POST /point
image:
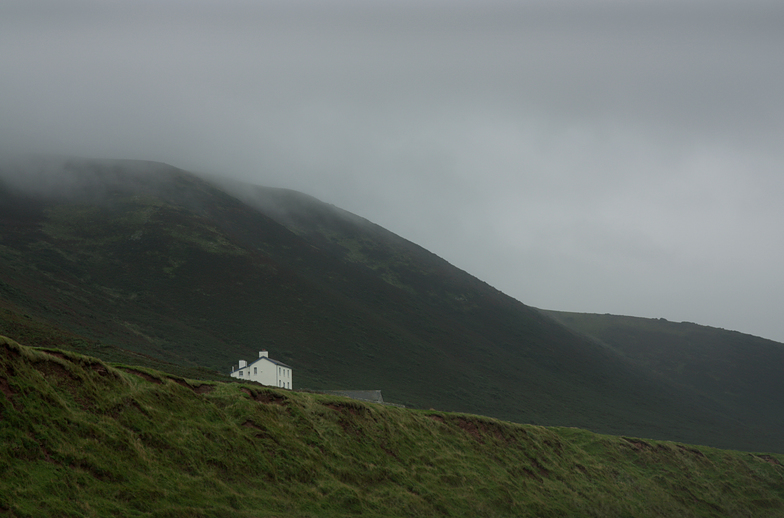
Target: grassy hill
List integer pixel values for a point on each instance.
(741, 371)
(144, 263)
(80, 437)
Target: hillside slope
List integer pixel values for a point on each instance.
(160, 262)
(744, 372)
(83, 438)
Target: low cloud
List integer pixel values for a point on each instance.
(606, 157)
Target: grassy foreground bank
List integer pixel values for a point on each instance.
(79, 437)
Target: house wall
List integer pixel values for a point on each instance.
(267, 373)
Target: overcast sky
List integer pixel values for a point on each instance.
(597, 156)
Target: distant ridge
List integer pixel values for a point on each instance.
(741, 371)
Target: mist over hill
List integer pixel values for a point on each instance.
(191, 272)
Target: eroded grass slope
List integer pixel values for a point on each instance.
(80, 437)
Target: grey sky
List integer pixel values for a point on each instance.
(597, 156)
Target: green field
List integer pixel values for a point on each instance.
(80, 437)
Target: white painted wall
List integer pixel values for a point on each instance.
(265, 371)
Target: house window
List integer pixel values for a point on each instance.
(255, 371)
(240, 373)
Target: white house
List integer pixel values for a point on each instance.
(265, 370)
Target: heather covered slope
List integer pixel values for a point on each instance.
(159, 262)
(80, 437)
(741, 371)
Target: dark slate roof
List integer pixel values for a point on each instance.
(276, 362)
(373, 396)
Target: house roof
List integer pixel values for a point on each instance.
(363, 395)
(276, 362)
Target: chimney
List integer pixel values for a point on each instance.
(263, 354)
(243, 364)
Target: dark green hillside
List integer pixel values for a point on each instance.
(742, 371)
(80, 437)
(156, 261)
(28, 329)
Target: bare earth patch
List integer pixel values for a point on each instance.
(266, 397)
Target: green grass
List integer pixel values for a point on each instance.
(84, 438)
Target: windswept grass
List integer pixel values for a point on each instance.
(79, 437)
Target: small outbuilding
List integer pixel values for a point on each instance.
(372, 396)
(265, 370)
